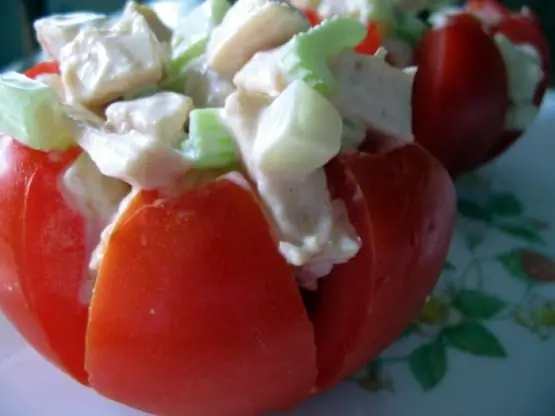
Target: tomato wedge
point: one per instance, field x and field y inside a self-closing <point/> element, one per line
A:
<point x="460" y="93"/>
<point x="195" y="312"/>
<point x="402" y="204"/>
<point x="42" y="255"/>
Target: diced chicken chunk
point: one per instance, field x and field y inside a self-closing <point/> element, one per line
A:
<point x="136" y="158"/>
<point x="56" y="31"/>
<point x="160" y="30"/>
<point x="251" y="26"/>
<point x="103" y="64"/>
<point x="97" y="196"/>
<point x="162" y="115"/>
<point x="262" y="74"/>
<point x="206" y="87"/>
<point x="525" y="73"/>
<point x="300" y="207"/>
<point x="372" y="91"/>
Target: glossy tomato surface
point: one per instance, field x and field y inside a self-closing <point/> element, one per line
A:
<point x="42" y="255"/>
<point x="195" y="311"/>
<point x="402" y="204"/>
<point x="460" y="94"/>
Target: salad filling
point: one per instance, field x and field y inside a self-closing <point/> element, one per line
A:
<point x="249" y="88"/>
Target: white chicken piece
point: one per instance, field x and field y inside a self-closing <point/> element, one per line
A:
<point x="300" y="207"/>
<point x="100" y="65"/>
<point x="136" y="158"/>
<point x="251" y="26"/>
<point x="162" y="32"/>
<point x="262" y="74"/>
<point x="205" y="86"/>
<point x="162" y="115"/>
<point x="56" y="31"/>
<point x="374" y="92"/>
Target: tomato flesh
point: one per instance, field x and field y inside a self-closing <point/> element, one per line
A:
<point x="402" y="205"/>
<point x="195" y="311"/>
<point x="42" y="255"/>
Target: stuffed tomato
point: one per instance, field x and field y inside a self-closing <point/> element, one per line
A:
<point x="222" y="219"/>
<point x="481" y="70"/>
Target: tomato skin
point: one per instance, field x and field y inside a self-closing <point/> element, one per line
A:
<point x="47" y="67"/>
<point x="402" y="204"/>
<point x="42" y="253"/>
<point x="312" y="17"/>
<point x="195" y="312"/>
<point x="460" y="94"/>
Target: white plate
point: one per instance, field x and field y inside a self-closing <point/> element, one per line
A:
<point x="498" y="365"/>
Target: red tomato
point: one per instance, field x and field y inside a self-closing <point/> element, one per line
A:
<point x="402" y="204"/>
<point x="372" y="42"/>
<point x="460" y="94"/>
<point x="48" y="67"/>
<point x="368" y="46"/>
<point x="42" y="255"/>
<point x="312" y="17"/>
<point x="520" y="28"/>
<point x="194" y="309"/>
<point x="195" y="312"/>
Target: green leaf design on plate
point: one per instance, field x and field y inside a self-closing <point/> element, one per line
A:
<point x="505" y="204"/>
<point x="470" y="209"/>
<point x="428" y="364"/>
<point x="521" y="232"/>
<point x="474" y="338"/>
<point x="477" y="305"/>
<point x="529" y="266"/>
<point x="544" y="316"/>
<point x="512" y="263"/>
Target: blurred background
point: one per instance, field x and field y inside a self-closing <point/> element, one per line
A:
<point x="17" y="16"/>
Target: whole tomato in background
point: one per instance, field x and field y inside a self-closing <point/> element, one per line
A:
<point x="461" y="94"/>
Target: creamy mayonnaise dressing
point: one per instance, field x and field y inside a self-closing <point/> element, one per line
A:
<point x="300" y="207"/>
<point x="133" y="144"/>
<point x="525" y="73"/>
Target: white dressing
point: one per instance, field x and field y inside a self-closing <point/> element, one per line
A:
<point x="162" y="115"/>
<point x="299" y="206"/>
<point x="136" y="158"/>
<point x="524" y="69"/>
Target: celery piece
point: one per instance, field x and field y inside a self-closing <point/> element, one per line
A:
<point x="209" y="144"/>
<point x="304" y="56"/>
<point x="32" y="114"/>
<point x="191" y="36"/>
<point x="298" y="133"/>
